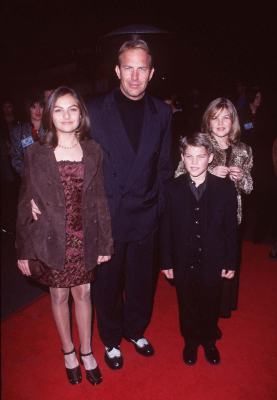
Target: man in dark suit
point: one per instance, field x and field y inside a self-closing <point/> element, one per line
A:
<point x="133" y="129"/>
<point x="199" y="245"/>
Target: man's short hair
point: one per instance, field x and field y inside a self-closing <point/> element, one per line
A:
<point x="197" y="139"/>
<point x="134" y="44"/>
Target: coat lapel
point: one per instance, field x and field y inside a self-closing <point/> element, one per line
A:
<point x="212" y="199"/>
<point x="46" y="161"/>
<point x="90" y="164"/>
<point x="48" y="172"/>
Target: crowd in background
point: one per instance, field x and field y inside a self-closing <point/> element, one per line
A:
<point x="21" y="123"/>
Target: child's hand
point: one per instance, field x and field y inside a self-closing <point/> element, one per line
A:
<point x="102" y="259"/>
<point x="35" y="210"/>
<point x="221" y="171"/>
<point x="23" y="265"/>
<point x="227" y="273"/>
<point x="168" y="273"/>
<point x="236" y="173"/>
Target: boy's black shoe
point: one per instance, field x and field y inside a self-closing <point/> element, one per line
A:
<point x="190" y="353"/>
<point x="211" y="353"/>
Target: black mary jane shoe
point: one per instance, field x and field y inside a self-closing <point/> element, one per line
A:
<point x="94" y="376"/>
<point x="74" y="375"/>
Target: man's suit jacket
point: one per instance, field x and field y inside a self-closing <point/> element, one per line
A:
<point x="219" y="229"/>
<point x="134" y="182"/>
<point x="45" y="238"/>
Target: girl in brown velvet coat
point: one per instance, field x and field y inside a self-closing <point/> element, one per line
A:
<point x="71" y="233"/>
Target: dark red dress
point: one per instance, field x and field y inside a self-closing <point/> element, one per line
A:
<point x="74" y="272"/>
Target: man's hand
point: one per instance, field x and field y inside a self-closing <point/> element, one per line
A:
<point x="227" y="273"/>
<point x="23" y="265"/>
<point x="168" y="273"/>
<point x="102" y="259"/>
<point x="35" y="210"/>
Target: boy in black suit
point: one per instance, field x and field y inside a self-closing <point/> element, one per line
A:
<point x="199" y="245"/>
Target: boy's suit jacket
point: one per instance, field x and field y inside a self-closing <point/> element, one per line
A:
<point x="219" y="233"/>
<point x="134" y="182"/>
<point x="44" y="239"/>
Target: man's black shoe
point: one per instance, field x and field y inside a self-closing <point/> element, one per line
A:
<point x="113" y="357"/>
<point x="142" y="346"/>
<point x="190" y="353"/>
<point x="211" y="353"/>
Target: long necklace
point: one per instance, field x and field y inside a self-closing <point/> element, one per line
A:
<point x="68" y="147"/>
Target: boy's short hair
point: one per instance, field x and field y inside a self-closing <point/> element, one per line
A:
<point x="197" y="139"/>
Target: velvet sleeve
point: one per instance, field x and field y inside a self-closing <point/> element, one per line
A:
<point x="105" y="230"/>
<point x="24" y="244"/>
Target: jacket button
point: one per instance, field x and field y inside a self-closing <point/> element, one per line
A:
<point x="49" y="237"/>
<point x="197" y="222"/>
<point x="198" y="236"/>
<point x="192" y="267"/>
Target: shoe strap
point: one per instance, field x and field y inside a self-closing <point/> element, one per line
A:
<point x="70" y="352"/>
<point x="84" y="355"/>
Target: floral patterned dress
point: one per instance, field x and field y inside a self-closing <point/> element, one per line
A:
<point x="74" y="272"/>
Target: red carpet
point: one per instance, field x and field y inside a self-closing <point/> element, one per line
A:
<point x="32" y="364"/>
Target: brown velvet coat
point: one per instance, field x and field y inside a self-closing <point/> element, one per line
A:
<point x="45" y="239"/>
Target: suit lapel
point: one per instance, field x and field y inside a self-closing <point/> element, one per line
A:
<point x="117" y="135"/>
<point x="148" y="139"/>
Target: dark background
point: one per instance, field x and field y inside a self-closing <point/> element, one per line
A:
<point x="209" y="46"/>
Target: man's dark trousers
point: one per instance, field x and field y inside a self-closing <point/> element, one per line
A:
<point x="130" y="268"/>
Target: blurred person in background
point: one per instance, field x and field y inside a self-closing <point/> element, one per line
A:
<point x="27" y="133"/>
<point x="9" y="182"/>
<point x="258" y="130"/>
